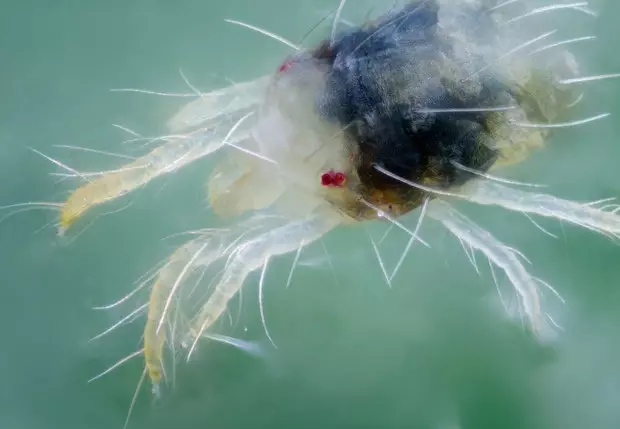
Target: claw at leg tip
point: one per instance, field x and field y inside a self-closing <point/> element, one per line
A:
<point x="156" y="390"/>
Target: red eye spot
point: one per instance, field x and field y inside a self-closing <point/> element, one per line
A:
<point x="332" y="178"/>
<point x="285" y="66"/>
<point x="326" y="179"/>
<point x="339" y="179"/>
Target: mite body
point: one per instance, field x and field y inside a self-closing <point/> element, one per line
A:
<point x="415" y="109"/>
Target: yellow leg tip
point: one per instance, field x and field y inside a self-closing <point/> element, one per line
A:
<point x="66" y="220"/>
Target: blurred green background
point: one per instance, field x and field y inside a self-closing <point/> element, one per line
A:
<point x="435" y="351"/>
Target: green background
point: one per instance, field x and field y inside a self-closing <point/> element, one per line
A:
<point x="435" y="351"/>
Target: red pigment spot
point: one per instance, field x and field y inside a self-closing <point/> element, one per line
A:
<point x="326" y="179"/>
<point x="332" y="178"/>
<point x="286" y="65"/>
<point x="339" y="179"/>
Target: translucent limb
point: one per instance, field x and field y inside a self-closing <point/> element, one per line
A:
<point x="167" y="290"/>
<point x="497" y="253"/>
<point x="253" y="254"/>
<point x="237" y="248"/>
<point x="154" y="339"/>
<point x="169" y="157"/>
<point x="582" y="214"/>
<point x="491" y="193"/>
<point x="220" y="103"/>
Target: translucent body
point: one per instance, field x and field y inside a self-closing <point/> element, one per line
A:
<point x="402" y="107"/>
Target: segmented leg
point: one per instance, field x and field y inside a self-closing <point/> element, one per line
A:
<point x="220" y="103"/>
<point x="169" y="157"/>
<point x="251" y="255"/>
<point x="585" y="215"/>
<point x="497" y="253"/>
<point x="169" y="290"/>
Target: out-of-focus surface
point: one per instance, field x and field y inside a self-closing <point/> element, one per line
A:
<point x="432" y="352"/>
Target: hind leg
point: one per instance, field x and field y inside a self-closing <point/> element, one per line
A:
<point x="587" y="215"/>
<point x="498" y="254"/>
